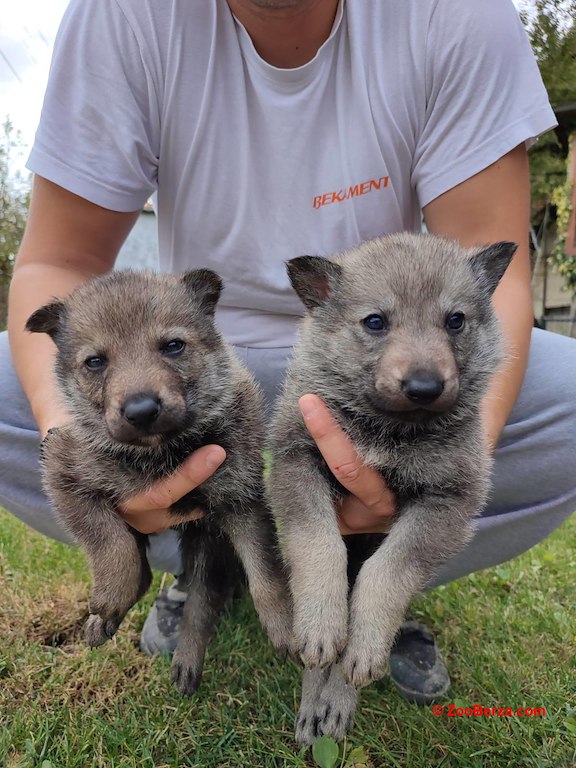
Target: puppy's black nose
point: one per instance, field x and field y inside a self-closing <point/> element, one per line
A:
<point x="141" y="410"/>
<point x="422" y="387"/>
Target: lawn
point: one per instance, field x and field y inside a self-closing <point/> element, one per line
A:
<point x="507" y="633"/>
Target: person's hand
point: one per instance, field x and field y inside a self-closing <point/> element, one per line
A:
<point x="370" y="507"/>
<point x="149" y="512"/>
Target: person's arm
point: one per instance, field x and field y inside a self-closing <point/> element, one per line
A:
<point x="494" y="205"/>
<point x="68" y="240"/>
<point x="491" y="206"/>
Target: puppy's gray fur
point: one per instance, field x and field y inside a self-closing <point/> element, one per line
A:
<point x="409" y="397"/>
<point x="147" y="380"/>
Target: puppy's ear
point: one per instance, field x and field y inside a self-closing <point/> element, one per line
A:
<point x="313" y="278"/>
<point x="489" y="264"/>
<point x="48" y="319"/>
<point x="204" y="286"/>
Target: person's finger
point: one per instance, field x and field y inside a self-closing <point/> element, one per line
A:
<point x="149" y="512"/>
<point x="354" y="517"/>
<point x="158" y="520"/>
<point x="195" y="470"/>
<point x="362" y="481"/>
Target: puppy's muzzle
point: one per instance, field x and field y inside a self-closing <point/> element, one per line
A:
<point x="420" y="394"/>
<point x="141" y="411"/>
<point x="145" y="418"/>
<point x="422" y="388"/>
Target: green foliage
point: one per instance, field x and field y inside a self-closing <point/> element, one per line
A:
<point x="507" y="634"/>
<point x="551" y="26"/>
<point x="357" y="758"/>
<point x="325" y="752"/>
<point x="566" y="265"/>
<point x="547" y="171"/>
<point x="14" y="201"/>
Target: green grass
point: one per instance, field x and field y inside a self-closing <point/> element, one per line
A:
<point x="507" y="633"/>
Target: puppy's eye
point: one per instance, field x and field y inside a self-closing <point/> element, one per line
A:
<point x="455" y="322"/>
<point x="173" y="347"/>
<point x="375" y="323"/>
<point x="96" y="363"/>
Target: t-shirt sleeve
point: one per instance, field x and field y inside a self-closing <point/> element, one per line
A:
<point x="485" y="94"/>
<point x="99" y="130"/>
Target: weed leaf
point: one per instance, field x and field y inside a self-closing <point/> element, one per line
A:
<point x="325" y="752"/>
<point x="357" y="758"/>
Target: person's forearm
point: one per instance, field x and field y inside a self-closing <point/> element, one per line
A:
<point x="491" y="206"/>
<point x="32" y="286"/>
<point x="516" y="321"/>
<point x="67" y="240"/>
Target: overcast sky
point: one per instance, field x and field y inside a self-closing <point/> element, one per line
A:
<point x="27" y="31"/>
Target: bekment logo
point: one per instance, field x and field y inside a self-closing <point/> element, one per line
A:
<point x="346" y="193"/>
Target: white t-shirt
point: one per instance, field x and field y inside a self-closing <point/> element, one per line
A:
<point x="254" y="165"/>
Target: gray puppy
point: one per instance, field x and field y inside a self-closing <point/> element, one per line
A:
<point x="400" y="340"/>
<point x="147" y="380"/>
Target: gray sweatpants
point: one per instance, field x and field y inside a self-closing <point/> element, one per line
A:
<point x="534" y="478"/>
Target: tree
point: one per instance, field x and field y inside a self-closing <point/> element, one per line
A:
<point x="14" y="201"/>
<point x="551" y="26"/>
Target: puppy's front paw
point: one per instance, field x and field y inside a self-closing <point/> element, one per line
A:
<point x="280" y="633"/>
<point x="321" y="637"/>
<point x="327" y="707"/>
<point x="186" y="678"/>
<point x="277" y="620"/>
<point x="308" y="721"/>
<point x="337" y="705"/>
<point x="363" y="663"/>
<point x="98" y="629"/>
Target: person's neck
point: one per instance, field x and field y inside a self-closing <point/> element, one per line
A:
<point x="286" y="33"/>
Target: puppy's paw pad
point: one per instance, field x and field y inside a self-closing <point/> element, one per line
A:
<point x="319" y="655"/>
<point x="337" y="705"/>
<point x="98" y="630"/>
<point x="186" y="678"/>
<point x="332" y="719"/>
<point x="360" y="670"/>
<point x="337" y="724"/>
<point x="320" y="649"/>
<point x="281" y="636"/>
<point x="307" y="729"/>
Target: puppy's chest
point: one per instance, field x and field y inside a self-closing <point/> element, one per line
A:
<point x="419" y="466"/>
<point x="147" y="469"/>
<point x="74" y="469"/>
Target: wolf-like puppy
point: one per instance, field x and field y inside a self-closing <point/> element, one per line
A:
<point x="400" y="340"/>
<point x="147" y="380"/>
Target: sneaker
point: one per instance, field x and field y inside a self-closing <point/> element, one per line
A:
<point x="417" y="668"/>
<point x="160" y="631"/>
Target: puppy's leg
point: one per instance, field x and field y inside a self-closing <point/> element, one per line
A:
<point x="426" y="534"/>
<point x="337" y="705"/>
<point x="307" y="721"/>
<point x="316" y="555"/>
<point x="120" y="576"/>
<point x="253" y="536"/>
<point x="327" y="707"/>
<point x="116" y="553"/>
<point x="118" y="563"/>
<point x="211" y="572"/>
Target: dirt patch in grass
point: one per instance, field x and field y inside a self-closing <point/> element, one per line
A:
<point x="60" y="623"/>
<point x="53" y="619"/>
